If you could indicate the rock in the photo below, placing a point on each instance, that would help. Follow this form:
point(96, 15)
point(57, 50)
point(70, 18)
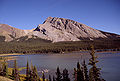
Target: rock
point(60, 29)
point(56, 30)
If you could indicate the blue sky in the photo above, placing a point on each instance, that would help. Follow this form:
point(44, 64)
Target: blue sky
point(27, 14)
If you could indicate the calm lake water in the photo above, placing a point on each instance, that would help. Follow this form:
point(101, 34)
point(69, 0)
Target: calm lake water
point(108, 62)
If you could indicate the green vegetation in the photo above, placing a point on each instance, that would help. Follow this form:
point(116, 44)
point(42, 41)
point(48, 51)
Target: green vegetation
point(15, 73)
point(43, 77)
point(38, 45)
point(8, 72)
point(3, 69)
point(50, 78)
point(58, 75)
point(81, 72)
point(94, 72)
point(65, 75)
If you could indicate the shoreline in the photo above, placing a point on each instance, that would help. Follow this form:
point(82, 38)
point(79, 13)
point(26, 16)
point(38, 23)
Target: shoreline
point(10, 54)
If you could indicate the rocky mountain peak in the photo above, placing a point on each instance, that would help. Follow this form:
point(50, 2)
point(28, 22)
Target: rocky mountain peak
point(61, 29)
point(56, 30)
point(62, 22)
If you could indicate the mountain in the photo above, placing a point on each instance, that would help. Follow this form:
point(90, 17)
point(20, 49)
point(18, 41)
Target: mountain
point(10, 33)
point(56, 30)
point(60, 29)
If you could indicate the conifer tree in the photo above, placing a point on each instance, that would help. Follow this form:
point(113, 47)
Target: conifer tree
point(80, 76)
point(5, 69)
point(54, 78)
point(94, 72)
point(0, 69)
point(15, 73)
point(31, 73)
point(65, 75)
point(43, 77)
point(58, 75)
point(50, 78)
point(85, 71)
point(46, 80)
point(35, 74)
point(75, 74)
point(27, 72)
point(0, 66)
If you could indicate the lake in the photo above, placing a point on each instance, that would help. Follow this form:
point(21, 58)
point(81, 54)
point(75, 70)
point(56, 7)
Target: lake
point(108, 62)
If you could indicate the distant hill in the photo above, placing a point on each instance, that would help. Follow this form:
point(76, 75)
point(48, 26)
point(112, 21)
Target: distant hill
point(56, 30)
point(10, 33)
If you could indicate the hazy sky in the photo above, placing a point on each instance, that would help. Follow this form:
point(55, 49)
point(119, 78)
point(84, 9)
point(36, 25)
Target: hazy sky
point(27, 14)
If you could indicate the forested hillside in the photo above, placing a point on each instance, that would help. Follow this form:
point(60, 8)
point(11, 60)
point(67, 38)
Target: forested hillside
point(44, 46)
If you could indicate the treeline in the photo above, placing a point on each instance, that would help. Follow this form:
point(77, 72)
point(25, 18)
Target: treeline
point(81, 73)
point(45, 46)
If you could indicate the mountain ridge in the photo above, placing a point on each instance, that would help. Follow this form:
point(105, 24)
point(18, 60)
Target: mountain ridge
point(10, 32)
point(56, 30)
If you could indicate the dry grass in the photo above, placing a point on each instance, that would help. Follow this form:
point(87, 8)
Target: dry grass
point(11, 54)
point(5, 79)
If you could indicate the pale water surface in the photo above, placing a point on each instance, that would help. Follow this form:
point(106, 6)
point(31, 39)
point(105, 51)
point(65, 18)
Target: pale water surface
point(109, 62)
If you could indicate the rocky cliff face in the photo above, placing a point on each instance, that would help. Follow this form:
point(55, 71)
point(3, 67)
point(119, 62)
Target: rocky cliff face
point(60, 29)
point(57, 29)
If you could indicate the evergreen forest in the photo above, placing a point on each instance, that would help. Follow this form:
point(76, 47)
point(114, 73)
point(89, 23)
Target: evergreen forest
point(37, 46)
